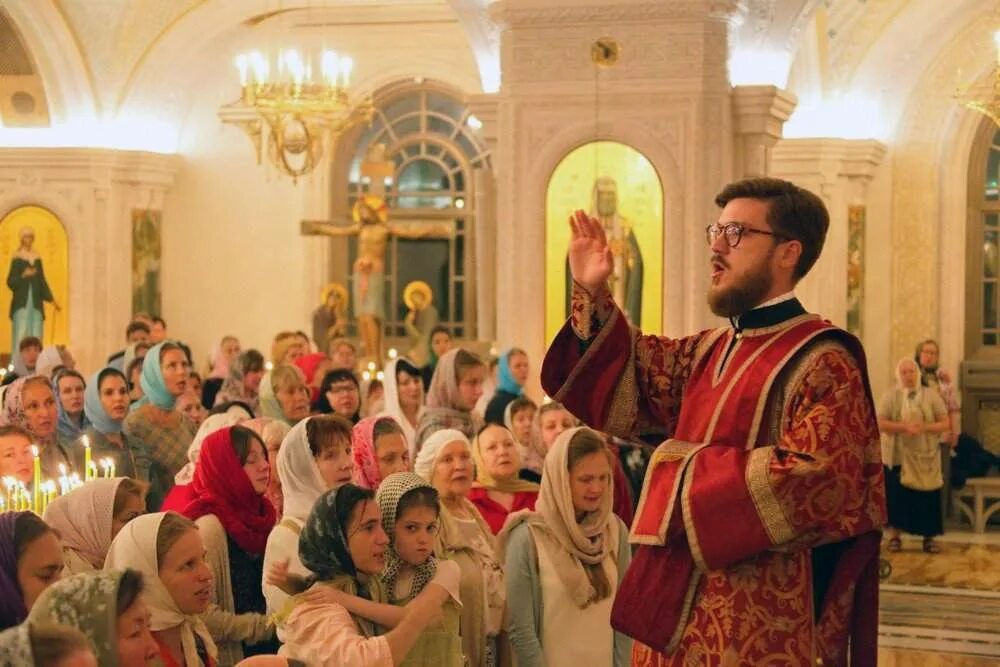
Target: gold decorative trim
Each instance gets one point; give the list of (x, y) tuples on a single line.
[(620, 420), (689, 527), (682, 620), (588, 354), (776, 524), (758, 414), (672, 450)]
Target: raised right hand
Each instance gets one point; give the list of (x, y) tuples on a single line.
[(590, 260)]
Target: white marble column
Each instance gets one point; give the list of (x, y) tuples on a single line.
[(759, 112), (839, 171)]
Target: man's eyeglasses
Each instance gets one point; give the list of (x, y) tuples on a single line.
[(734, 231)]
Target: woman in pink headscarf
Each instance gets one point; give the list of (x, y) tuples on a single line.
[(379, 449)]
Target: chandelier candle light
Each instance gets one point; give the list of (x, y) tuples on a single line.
[(302, 102)]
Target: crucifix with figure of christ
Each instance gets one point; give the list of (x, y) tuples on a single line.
[(373, 228)]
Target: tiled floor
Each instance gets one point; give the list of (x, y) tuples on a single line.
[(942, 609)]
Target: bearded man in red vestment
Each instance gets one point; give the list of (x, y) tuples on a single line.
[(758, 526)]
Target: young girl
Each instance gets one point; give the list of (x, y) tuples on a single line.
[(379, 449), (455, 388), (565, 560), (314, 457)]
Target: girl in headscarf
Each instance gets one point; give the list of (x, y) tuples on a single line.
[(912, 418), (157, 423), (499, 490), (69, 388), (565, 560), (243, 381), (235, 519), (106, 403), (88, 518), (378, 449), (168, 551), (446, 462), (107, 607), (30, 404), (343, 545), (512, 374), (45, 646), (314, 457), (284, 395), (403, 399), (31, 560), (455, 388)]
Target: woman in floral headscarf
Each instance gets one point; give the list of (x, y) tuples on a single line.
[(379, 449), (30, 404), (243, 381), (107, 608), (45, 646), (343, 545)]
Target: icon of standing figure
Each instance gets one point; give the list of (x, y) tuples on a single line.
[(26, 280)]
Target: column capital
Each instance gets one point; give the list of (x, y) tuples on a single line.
[(762, 110)]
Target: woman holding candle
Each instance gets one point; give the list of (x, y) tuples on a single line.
[(235, 519), (156, 422), (69, 389), (31, 404), (31, 560), (106, 402), (88, 518)]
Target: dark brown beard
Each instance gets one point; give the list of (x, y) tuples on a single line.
[(740, 298)]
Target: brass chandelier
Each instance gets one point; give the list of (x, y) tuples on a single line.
[(294, 107), (985, 97)]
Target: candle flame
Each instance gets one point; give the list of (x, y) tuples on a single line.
[(34, 451)]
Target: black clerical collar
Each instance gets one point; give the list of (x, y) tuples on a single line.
[(768, 316)]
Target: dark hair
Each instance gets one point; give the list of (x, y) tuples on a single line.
[(349, 496), (159, 320), (520, 404), (108, 372), (303, 334), (51, 644), (134, 326), (28, 527), (129, 588), (327, 431), (138, 361), (223, 408), (173, 527), (251, 361), (243, 439), (440, 329), (404, 366), (336, 375), (464, 360), (194, 374), (793, 212), (68, 373), (167, 346), (373, 385), (8, 430), (422, 496), (386, 426), (29, 341), (128, 487)]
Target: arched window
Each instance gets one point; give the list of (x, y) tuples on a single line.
[(430, 138), (984, 244)]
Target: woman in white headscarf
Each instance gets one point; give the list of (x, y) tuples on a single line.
[(912, 418), (403, 399), (565, 559), (314, 457)]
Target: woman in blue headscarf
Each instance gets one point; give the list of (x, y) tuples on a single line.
[(155, 421), (70, 390), (512, 373), (105, 404)]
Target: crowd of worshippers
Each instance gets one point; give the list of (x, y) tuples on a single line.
[(267, 511)]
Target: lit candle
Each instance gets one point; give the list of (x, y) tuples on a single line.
[(74, 481), (36, 482), (86, 458), (3, 505), (111, 467), (8, 482), (91, 472), (393, 353)]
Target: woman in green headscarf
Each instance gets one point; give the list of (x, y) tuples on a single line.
[(107, 607)]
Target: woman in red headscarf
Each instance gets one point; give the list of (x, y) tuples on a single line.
[(235, 518)]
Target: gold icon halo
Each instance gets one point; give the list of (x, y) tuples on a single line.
[(414, 287), (336, 288), (375, 203)]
